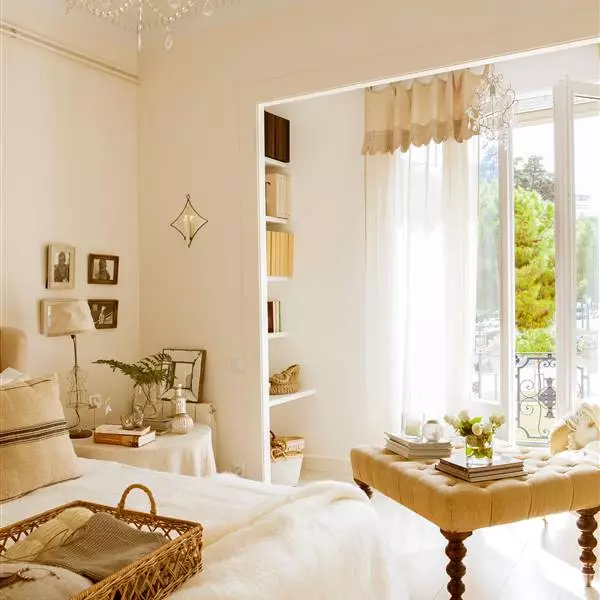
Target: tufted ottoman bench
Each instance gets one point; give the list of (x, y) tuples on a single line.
[(552, 485)]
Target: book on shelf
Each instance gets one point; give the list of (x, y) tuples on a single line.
[(130, 441), (118, 430), (278, 195), (280, 253), (273, 316)]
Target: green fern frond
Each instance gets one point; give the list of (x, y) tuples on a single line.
[(151, 369)]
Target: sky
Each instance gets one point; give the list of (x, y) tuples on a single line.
[(539, 139)]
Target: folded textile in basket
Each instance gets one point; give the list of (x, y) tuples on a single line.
[(102, 547), (26, 580)]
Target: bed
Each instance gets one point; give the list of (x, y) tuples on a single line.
[(319, 541)]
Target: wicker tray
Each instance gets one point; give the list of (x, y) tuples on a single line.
[(151, 577)]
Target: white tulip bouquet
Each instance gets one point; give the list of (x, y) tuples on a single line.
[(478, 435)]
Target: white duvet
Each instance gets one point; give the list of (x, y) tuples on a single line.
[(320, 541)]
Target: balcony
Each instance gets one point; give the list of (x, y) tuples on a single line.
[(535, 391)]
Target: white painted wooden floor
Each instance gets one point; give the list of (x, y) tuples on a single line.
[(530, 560)]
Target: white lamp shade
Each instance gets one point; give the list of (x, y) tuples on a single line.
[(68, 317)]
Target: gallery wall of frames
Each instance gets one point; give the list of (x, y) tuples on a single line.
[(102, 270)]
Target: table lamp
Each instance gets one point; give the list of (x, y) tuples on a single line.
[(70, 318)]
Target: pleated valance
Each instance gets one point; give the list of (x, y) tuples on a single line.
[(412, 113)]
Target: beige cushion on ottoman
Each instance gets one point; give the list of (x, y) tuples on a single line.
[(35, 449), (552, 485)]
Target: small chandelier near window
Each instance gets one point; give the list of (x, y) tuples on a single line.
[(141, 15), (492, 110)]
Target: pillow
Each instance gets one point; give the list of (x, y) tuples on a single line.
[(24, 581), (35, 449), (10, 375)]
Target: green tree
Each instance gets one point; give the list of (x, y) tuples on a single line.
[(534, 261), (586, 240), (530, 174)]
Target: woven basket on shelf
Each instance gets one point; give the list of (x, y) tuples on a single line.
[(287, 453), (154, 576), (286, 382)]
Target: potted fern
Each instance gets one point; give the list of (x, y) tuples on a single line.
[(147, 374)]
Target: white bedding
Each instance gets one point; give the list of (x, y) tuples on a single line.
[(320, 541)]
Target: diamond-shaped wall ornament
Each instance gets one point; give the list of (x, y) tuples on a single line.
[(189, 222)]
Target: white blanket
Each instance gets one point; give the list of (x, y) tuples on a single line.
[(321, 541)]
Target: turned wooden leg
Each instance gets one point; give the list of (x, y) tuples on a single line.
[(587, 540), (365, 488), (456, 551)]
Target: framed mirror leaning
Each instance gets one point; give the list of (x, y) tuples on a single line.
[(187, 367)]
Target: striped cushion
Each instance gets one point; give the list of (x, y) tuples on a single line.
[(35, 449)]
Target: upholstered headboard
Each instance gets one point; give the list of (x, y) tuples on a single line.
[(13, 349)]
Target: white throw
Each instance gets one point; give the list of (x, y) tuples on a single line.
[(321, 541)]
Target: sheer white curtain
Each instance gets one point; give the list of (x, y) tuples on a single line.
[(421, 279)]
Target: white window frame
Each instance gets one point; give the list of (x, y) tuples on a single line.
[(565, 214)]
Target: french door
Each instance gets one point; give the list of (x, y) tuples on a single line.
[(577, 142), (538, 300)]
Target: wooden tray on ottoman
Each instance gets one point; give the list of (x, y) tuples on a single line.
[(151, 577)]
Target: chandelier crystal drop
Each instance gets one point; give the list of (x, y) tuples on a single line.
[(493, 107), (139, 16)]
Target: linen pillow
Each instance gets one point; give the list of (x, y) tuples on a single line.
[(35, 449), (10, 375)]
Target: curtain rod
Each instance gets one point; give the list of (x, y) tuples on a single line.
[(91, 61)]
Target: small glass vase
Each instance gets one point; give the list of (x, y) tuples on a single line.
[(479, 450)]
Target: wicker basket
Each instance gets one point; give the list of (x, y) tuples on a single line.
[(151, 577), (287, 453), (286, 382)]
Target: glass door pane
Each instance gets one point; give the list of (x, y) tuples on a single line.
[(535, 273), (586, 179), (577, 128)]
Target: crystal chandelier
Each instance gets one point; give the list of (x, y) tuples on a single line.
[(492, 109), (141, 15)]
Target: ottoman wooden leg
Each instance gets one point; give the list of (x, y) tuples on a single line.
[(456, 551), (365, 488), (587, 525)]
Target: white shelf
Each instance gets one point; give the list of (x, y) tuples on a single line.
[(278, 334), (274, 278), (277, 220), (271, 162), (285, 398)]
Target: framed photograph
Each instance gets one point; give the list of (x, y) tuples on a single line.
[(60, 272), (104, 313), (103, 268), (186, 367)]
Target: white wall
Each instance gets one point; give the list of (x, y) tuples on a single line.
[(69, 175), (324, 303), (77, 30), (198, 116)]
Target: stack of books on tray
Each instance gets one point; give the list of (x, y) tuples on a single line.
[(416, 448), (115, 434), (501, 468)]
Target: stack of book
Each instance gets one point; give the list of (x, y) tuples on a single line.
[(274, 316), (115, 434), (280, 253), (278, 195), (416, 448), (501, 468)]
